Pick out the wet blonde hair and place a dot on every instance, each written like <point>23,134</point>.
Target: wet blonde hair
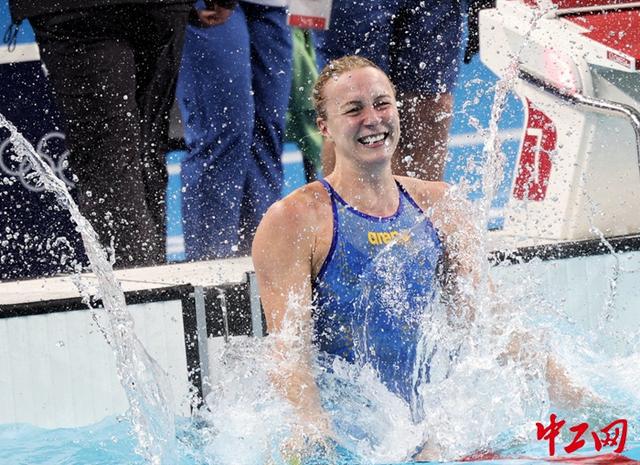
<point>333,70</point>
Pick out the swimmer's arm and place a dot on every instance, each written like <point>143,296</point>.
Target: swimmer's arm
<point>451,215</point>
<point>454,218</point>
<point>282,253</point>
<point>461,243</point>
<point>563,391</point>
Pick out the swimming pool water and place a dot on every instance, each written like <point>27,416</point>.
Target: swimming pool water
<point>109,442</point>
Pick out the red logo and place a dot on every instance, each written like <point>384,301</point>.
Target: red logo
<point>539,142</point>
<point>308,22</point>
<point>612,435</point>
<point>621,60</point>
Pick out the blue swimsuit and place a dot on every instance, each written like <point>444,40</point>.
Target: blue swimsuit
<point>375,284</point>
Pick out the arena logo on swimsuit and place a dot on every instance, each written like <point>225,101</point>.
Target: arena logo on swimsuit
<point>383,238</point>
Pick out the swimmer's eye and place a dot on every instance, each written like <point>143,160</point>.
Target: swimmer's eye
<point>352,110</point>
<point>382,105</point>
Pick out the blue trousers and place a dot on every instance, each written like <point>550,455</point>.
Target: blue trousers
<point>233,92</point>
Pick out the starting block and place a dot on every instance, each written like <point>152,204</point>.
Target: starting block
<point>577,64</point>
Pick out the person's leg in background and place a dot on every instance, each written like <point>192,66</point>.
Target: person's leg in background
<point>425,76</point>
<point>271,56</point>
<point>214,93</point>
<point>92,68</point>
<point>158,44</point>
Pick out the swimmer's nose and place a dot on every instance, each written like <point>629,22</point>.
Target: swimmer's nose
<point>371,117</point>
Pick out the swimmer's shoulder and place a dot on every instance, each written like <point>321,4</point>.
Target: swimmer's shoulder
<point>427,194</point>
<point>304,208</point>
<point>291,236</point>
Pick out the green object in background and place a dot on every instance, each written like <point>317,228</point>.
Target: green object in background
<point>301,117</point>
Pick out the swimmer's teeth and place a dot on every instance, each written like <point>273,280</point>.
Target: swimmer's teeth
<point>373,139</point>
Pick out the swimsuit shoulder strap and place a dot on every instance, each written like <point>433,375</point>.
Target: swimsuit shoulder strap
<point>407,196</point>
<point>332,195</point>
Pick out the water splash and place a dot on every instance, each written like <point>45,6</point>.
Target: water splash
<point>493,169</point>
<point>143,380</point>
<point>244,414</point>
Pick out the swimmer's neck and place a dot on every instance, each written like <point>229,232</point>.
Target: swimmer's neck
<point>372,192</point>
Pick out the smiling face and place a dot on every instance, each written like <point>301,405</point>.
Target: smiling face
<point>360,116</point>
